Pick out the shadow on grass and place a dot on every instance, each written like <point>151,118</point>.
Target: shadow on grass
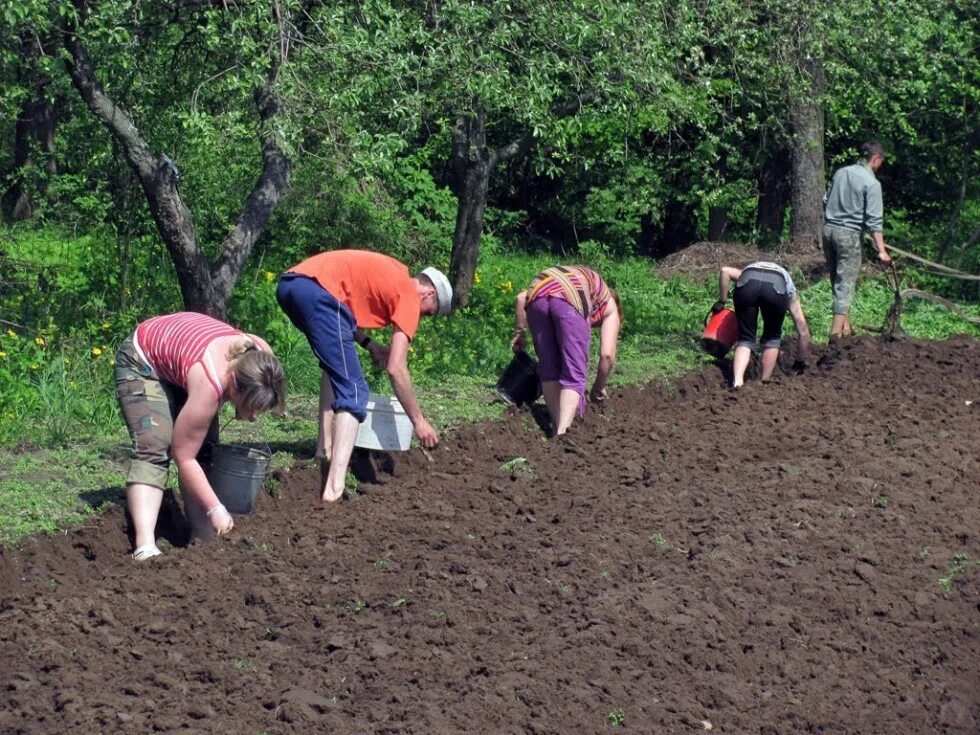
<point>299,449</point>
<point>100,499</point>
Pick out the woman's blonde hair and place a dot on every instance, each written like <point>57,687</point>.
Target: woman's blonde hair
<point>259,378</point>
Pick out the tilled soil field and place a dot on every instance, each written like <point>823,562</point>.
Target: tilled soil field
<point>799,557</point>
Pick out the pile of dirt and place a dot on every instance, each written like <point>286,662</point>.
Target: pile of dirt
<point>797,557</point>
<point>701,261</point>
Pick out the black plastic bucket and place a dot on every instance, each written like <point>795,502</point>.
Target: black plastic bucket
<point>236,474</point>
<point>519,383</point>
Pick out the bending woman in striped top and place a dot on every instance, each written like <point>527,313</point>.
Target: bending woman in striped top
<point>172,375</point>
<point>562,306</point>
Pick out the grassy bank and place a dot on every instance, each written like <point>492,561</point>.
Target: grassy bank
<point>64,446</point>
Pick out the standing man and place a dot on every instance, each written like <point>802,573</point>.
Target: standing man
<point>332,298</point>
<point>852,205</point>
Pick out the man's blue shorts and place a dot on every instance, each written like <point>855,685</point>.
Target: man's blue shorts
<point>329,327</point>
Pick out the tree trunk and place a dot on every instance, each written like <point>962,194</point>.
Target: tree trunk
<point>806,153</point>
<point>472,164</point>
<point>718,224</point>
<point>34,126</point>
<point>469,231</point>
<point>203,288</point>
<point>773,198</point>
<point>718,221</point>
<point>676,229</point>
<point>680,228</point>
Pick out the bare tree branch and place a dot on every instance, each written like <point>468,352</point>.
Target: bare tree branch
<point>522,145</point>
<point>264,197</point>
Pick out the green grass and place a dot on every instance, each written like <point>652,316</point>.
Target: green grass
<point>616,717</point>
<point>44,490</point>
<point>63,441</point>
<point>956,567</point>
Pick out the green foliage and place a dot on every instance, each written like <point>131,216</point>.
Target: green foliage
<point>616,717</point>
<point>518,467</point>
<point>54,391</point>
<point>956,568</point>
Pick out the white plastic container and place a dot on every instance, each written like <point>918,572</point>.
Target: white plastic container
<point>387,426</point>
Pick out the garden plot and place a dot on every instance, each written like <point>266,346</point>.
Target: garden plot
<point>793,558</point>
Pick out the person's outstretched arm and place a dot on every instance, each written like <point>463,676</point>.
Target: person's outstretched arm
<point>608,341</point>
<point>190,430</point>
<point>802,329</point>
<point>377,351</point>
<point>874,210</point>
<point>519,340</point>
<point>401,382</point>
<point>725,276</point>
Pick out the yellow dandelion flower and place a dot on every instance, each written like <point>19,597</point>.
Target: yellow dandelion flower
<point>2,354</point>
<point>12,334</point>
<point>106,325</point>
<point>269,276</point>
<point>39,341</point>
<point>476,277</point>
<point>96,352</point>
<point>35,366</point>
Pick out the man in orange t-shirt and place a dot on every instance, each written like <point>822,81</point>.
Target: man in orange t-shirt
<point>332,298</point>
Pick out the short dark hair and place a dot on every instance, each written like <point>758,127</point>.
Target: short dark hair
<point>872,148</point>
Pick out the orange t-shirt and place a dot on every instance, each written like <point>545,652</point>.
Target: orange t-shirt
<point>375,287</point>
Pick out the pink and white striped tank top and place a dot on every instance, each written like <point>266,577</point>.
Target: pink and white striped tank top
<point>173,343</point>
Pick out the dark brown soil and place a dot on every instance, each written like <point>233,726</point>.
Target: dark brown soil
<point>767,562</point>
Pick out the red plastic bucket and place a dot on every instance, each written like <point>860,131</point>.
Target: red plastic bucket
<point>720,333</point>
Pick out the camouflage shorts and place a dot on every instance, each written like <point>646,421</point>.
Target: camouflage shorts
<point>842,250</point>
<point>149,407</point>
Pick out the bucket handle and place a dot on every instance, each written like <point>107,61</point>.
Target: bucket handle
<point>263,446</point>
<point>711,313</point>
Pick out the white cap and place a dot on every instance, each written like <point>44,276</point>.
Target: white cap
<point>444,292</point>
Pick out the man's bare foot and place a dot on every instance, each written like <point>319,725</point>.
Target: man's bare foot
<point>329,496</point>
